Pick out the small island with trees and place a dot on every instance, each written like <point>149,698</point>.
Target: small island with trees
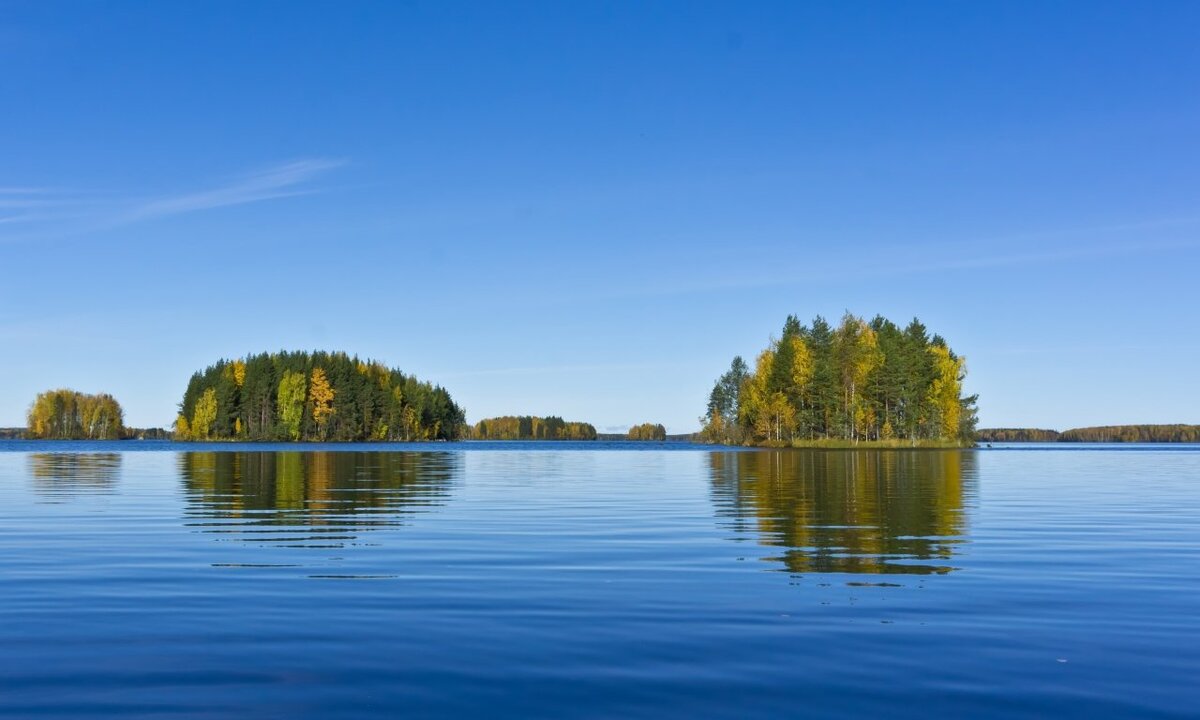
<point>528,427</point>
<point>859,383</point>
<point>318,396</point>
<point>71,415</point>
<point>647,431</point>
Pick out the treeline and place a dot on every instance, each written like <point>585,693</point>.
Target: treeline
<point>1016,435</point>
<point>1099,434</point>
<point>319,396</point>
<point>70,415</point>
<point>527,427</point>
<point>859,381</point>
<point>148,434</point>
<point>647,431</point>
<point>1133,433</point>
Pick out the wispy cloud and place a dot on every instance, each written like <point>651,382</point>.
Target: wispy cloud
<point>1042,248</point>
<point>281,181</point>
<point>46,213</point>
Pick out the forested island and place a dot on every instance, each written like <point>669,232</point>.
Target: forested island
<point>1100,434</point>
<point>71,415</point>
<point>318,396</point>
<point>528,427</point>
<point>859,382</point>
<point>647,431</point>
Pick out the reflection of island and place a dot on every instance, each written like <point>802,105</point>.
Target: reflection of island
<point>311,496</point>
<point>66,474</point>
<point>874,511</point>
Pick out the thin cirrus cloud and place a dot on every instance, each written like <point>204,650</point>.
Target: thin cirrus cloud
<point>1052,247</point>
<point>44,213</point>
<point>287,180</point>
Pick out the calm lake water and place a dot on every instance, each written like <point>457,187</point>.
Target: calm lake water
<point>601,580</point>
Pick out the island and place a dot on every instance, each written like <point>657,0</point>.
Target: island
<point>71,415</point>
<point>529,427</point>
<point>870,383</point>
<point>318,396</point>
<point>647,431</point>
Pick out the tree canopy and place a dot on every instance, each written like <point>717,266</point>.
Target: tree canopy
<point>1016,435</point>
<point>859,381</point>
<point>1099,434</point>
<point>70,415</point>
<point>1133,433</point>
<point>528,427</point>
<point>648,431</point>
<point>318,396</point>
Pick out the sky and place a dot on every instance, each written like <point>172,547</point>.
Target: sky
<point>587,209</point>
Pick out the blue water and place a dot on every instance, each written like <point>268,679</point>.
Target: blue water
<point>600,580</point>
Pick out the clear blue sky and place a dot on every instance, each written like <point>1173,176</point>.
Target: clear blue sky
<point>588,209</point>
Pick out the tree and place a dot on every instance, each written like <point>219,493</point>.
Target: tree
<point>945,390</point>
<point>756,409</point>
<point>321,395</point>
<point>856,351</point>
<point>291,402</point>
<point>204,415</point>
<point>724,404</point>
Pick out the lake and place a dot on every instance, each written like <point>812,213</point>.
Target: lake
<point>597,580</point>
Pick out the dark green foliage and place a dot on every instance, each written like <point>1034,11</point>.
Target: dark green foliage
<point>724,404</point>
<point>370,401</point>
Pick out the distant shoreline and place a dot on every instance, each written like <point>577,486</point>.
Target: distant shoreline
<point>1110,434</point>
<point>1173,433</point>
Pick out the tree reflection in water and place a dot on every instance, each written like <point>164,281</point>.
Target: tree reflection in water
<point>311,499</point>
<point>852,511</point>
<point>63,475</point>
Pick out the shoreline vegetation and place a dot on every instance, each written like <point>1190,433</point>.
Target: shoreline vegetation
<point>1174,433</point>
<point>856,385</point>
<point>892,444</point>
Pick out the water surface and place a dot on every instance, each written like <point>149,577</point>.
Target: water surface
<point>597,580</point>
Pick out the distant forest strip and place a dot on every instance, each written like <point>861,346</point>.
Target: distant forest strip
<point>71,415</point>
<point>1016,435</point>
<point>861,381</point>
<point>528,427</point>
<point>1099,434</point>
<point>319,396</point>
